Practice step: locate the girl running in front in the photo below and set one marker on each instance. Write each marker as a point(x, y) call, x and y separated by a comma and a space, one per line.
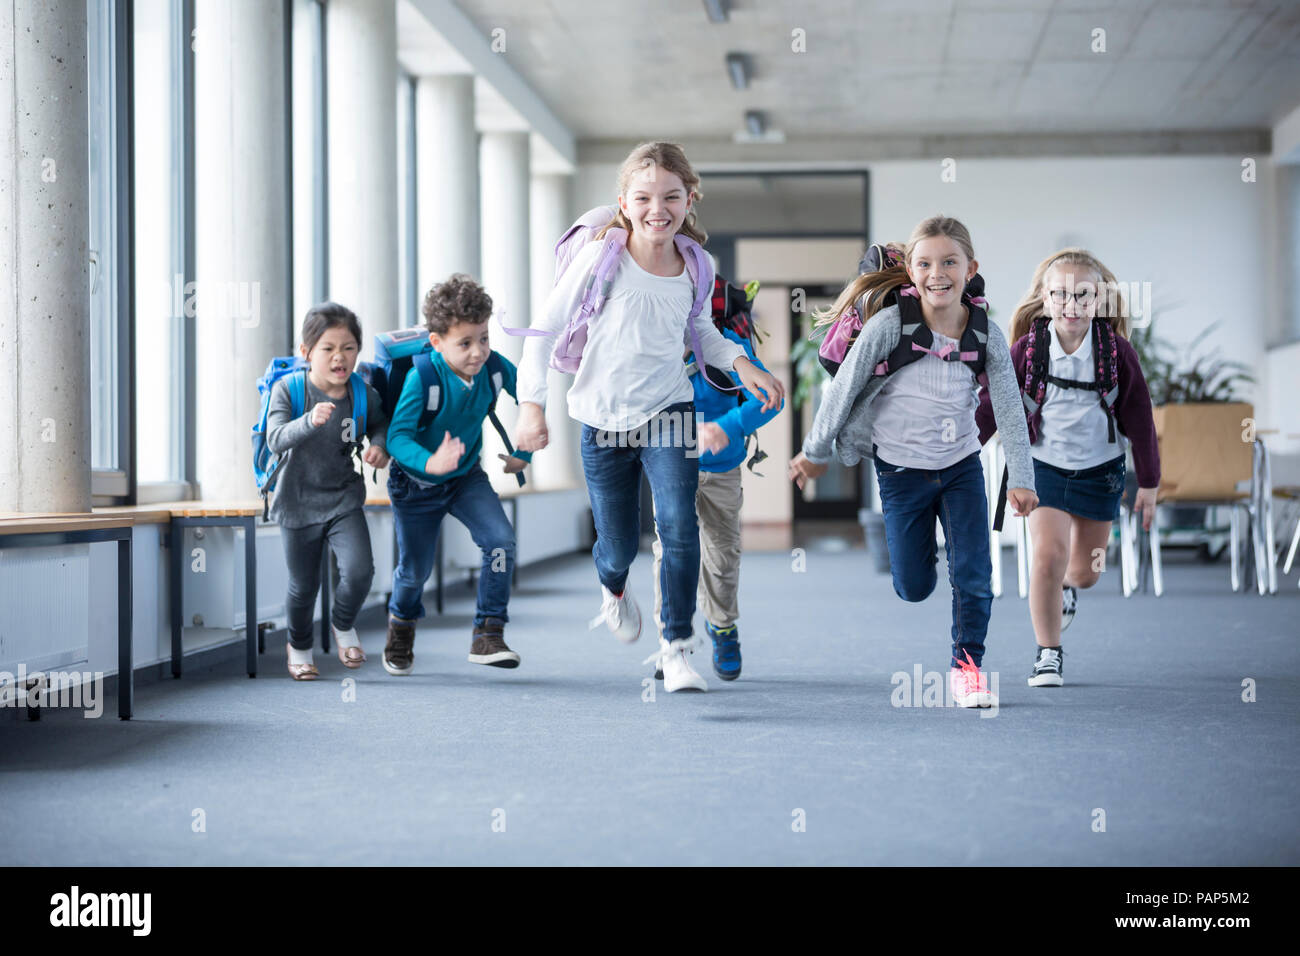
point(632, 394)
point(1084, 393)
point(320, 494)
point(905, 395)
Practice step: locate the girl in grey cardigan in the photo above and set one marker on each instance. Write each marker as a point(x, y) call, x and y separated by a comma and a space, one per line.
point(320, 495)
point(916, 418)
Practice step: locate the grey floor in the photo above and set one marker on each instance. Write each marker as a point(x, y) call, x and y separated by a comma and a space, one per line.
point(565, 761)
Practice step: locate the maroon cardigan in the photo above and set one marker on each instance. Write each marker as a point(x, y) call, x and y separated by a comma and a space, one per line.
point(1132, 410)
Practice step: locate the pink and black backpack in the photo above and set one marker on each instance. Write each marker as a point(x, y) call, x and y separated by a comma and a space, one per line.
point(915, 338)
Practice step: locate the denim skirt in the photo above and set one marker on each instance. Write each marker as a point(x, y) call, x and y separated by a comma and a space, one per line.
point(1088, 493)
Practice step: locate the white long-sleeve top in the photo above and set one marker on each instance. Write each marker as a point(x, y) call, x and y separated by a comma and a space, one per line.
point(632, 362)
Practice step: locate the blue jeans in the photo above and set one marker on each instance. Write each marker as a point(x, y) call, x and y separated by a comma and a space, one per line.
point(911, 499)
point(667, 452)
point(418, 514)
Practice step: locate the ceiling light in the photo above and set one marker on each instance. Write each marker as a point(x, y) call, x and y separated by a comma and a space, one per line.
point(738, 68)
point(717, 10)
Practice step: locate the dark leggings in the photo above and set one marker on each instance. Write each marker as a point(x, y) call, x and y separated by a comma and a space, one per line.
point(349, 539)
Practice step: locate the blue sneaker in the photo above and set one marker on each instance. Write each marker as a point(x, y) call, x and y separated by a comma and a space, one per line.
point(726, 651)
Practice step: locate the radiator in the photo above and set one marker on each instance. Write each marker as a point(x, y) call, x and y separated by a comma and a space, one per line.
point(45, 596)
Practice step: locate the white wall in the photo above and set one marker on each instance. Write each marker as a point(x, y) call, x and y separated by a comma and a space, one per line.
point(1178, 222)
point(1213, 247)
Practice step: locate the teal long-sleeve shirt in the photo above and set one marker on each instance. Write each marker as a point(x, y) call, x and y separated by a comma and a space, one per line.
point(461, 411)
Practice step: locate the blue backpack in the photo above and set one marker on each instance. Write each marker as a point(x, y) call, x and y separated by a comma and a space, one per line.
point(396, 353)
point(266, 464)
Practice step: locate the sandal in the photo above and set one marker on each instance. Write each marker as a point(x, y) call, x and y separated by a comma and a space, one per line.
point(350, 655)
point(301, 671)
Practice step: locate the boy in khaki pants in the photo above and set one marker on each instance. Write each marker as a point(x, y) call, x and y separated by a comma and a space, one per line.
point(726, 419)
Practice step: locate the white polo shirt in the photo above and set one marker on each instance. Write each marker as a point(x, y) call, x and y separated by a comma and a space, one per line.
point(1072, 432)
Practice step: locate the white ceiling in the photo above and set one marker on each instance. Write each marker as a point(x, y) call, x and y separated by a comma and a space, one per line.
point(631, 69)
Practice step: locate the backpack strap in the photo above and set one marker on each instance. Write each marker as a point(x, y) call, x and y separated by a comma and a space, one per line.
point(297, 385)
point(1002, 499)
point(496, 379)
point(359, 402)
point(700, 268)
point(1039, 375)
point(974, 343)
point(915, 340)
point(1036, 365)
point(1107, 351)
point(422, 365)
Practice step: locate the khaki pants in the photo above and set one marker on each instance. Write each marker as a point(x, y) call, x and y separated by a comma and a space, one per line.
point(718, 501)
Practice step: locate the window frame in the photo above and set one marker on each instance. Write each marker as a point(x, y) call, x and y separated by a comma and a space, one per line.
point(112, 486)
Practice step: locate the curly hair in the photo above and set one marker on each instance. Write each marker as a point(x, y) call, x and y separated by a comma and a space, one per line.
point(458, 299)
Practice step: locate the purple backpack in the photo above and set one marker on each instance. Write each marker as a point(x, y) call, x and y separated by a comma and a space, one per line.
point(567, 354)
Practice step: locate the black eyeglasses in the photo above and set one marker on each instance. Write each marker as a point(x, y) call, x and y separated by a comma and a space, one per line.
point(1081, 296)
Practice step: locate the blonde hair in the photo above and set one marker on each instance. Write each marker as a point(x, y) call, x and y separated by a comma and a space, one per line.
point(876, 286)
point(669, 157)
point(1110, 306)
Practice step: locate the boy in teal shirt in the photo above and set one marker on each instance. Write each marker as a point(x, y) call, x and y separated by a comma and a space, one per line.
point(437, 472)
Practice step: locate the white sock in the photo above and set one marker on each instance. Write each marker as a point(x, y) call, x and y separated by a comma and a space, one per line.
point(347, 638)
point(297, 657)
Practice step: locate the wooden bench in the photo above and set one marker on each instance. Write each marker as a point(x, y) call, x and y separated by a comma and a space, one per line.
point(179, 515)
point(117, 523)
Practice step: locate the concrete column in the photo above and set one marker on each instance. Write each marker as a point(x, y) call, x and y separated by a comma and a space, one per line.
point(242, 273)
point(44, 265)
point(559, 466)
point(504, 217)
point(446, 151)
point(361, 64)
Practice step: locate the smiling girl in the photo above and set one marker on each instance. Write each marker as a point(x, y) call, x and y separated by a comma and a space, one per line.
point(915, 414)
point(320, 495)
point(632, 376)
point(1084, 393)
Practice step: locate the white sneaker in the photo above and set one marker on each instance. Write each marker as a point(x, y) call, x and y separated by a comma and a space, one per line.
point(619, 614)
point(677, 670)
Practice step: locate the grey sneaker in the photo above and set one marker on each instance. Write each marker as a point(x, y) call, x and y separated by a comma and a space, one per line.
point(399, 653)
point(489, 645)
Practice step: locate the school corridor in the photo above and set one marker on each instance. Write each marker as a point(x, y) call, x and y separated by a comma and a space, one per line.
point(319, 243)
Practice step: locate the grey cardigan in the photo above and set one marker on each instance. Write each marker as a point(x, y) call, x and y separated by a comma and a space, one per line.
point(844, 421)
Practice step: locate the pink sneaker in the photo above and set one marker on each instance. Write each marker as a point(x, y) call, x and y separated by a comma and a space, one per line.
point(969, 687)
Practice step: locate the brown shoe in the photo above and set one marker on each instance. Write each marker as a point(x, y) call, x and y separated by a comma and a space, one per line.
point(399, 653)
point(489, 645)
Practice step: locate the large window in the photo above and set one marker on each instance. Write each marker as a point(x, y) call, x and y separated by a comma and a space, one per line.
point(160, 280)
point(408, 293)
point(107, 26)
point(307, 142)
